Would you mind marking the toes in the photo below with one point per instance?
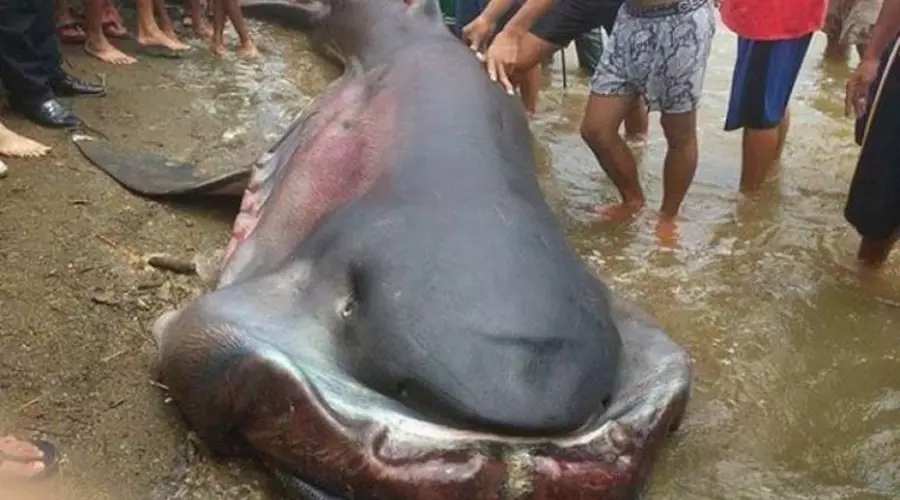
(19, 449)
(21, 469)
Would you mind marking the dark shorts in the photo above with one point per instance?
(565, 22)
(873, 204)
(764, 77)
(570, 18)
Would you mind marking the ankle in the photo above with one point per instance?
(633, 200)
(669, 213)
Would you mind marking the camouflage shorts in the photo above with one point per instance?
(660, 57)
(851, 21)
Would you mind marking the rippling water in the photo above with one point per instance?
(797, 393)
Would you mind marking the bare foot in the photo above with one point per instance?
(107, 53)
(217, 49)
(249, 50)
(667, 232)
(202, 30)
(21, 459)
(13, 144)
(160, 39)
(619, 212)
(170, 32)
(3, 169)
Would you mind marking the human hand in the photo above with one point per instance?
(856, 99)
(502, 57)
(478, 32)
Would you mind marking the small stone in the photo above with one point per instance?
(164, 292)
(3, 169)
(34, 411)
(105, 298)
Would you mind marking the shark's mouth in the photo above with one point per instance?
(324, 432)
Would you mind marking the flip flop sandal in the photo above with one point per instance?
(50, 459)
(71, 32)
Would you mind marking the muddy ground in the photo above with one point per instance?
(77, 295)
(757, 292)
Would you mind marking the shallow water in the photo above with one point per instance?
(796, 393)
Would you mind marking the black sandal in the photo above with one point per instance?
(49, 457)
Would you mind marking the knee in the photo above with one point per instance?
(597, 133)
(682, 142)
(680, 131)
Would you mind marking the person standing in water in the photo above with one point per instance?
(773, 38)
(657, 52)
(873, 96)
(563, 22)
(847, 23)
(225, 10)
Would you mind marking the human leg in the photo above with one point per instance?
(199, 23)
(859, 23)
(165, 22)
(874, 253)
(22, 68)
(835, 48)
(68, 28)
(31, 65)
(675, 87)
(617, 83)
(759, 103)
(680, 163)
(97, 44)
(217, 42)
(603, 116)
(150, 33)
(873, 201)
(248, 47)
(42, 35)
(113, 24)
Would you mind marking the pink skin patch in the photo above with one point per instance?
(345, 148)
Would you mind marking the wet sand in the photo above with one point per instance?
(77, 296)
(795, 395)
